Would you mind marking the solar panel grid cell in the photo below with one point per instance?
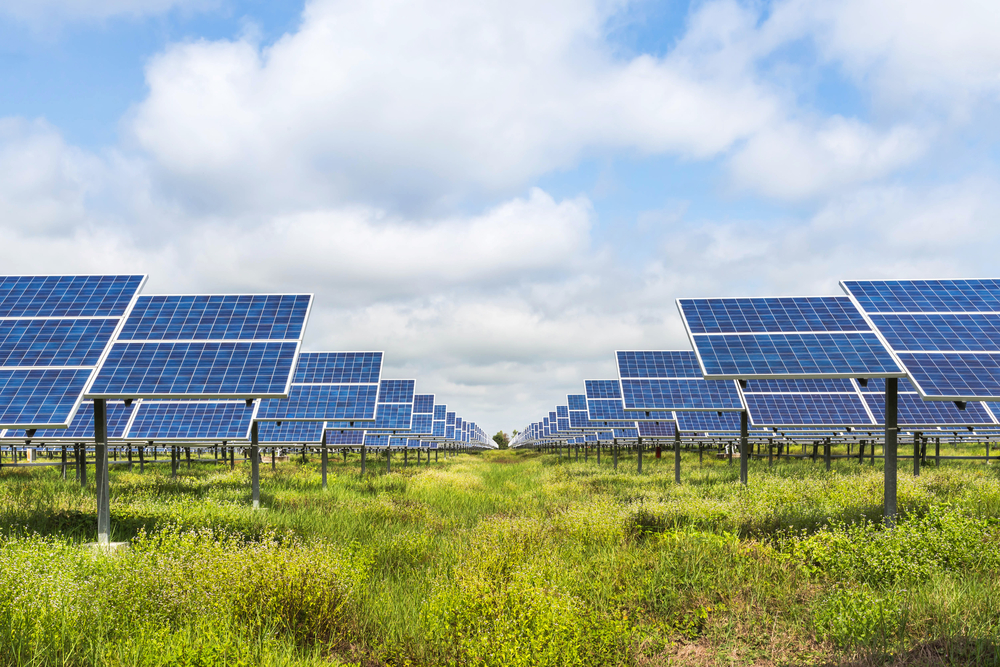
(680, 395)
(913, 411)
(806, 409)
(773, 315)
(922, 296)
(577, 401)
(955, 376)
(309, 433)
(191, 420)
(341, 437)
(40, 397)
(82, 426)
(601, 409)
(803, 385)
(58, 342)
(67, 296)
(217, 317)
(422, 424)
(854, 354)
(562, 412)
(393, 415)
(658, 364)
(396, 391)
(322, 402)
(603, 389)
(338, 367)
(440, 412)
(657, 429)
(423, 404)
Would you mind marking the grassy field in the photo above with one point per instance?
(505, 558)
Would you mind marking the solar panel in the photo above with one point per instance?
(807, 409)
(338, 368)
(671, 380)
(191, 420)
(784, 337)
(290, 433)
(82, 426)
(205, 346)
(54, 331)
(946, 333)
(344, 438)
(576, 402)
(657, 429)
(708, 421)
(348, 402)
(422, 424)
(423, 404)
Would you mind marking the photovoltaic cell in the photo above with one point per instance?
(962, 376)
(395, 416)
(807, 385)
(217, 317)
(925, 296)
(191, 420)
(680, 395)
(562, 412)
(54, 342)
(293, 433)
(806, 410)
(579, 419)
(658, 364)
(37, 398)
(602, 409)
(747, 356)
(772, 315)
(440, 412)
(82, 426)
(439, 428)
(338, 368)
(67, 296)
(396, 391)
(196, 369)
(422, 424)
(351, 402)
(657, 429)
(577, 401)
(913, 411)
(708, 421)
(602, 389)
(423, 404)
(345, 438)
(450, 418)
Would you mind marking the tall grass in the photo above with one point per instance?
(504, 558)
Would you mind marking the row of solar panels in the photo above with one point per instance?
(192, 368)
(810, 362)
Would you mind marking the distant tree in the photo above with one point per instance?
(501, 439)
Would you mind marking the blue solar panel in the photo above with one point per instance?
(439, 428)
(562, 411)
(376, 440)
(396, 391)
(440, 412)
(423, 404)
(338, 368)
(603, 389)
(745, 356)
(393, 415)
(680, 395)
(657, 429)
(562, 423)
(804, 385)
(422, 424)
(601, 409)
(450, 418)
(925, 296)
(344, 438)
(955, 376)
(449, 432)
(191, 420)
(579, 419)
(708, 421)
(940, 333)
(62, 342)
(772, 315)
(651, 415)
(67, 296)
(319, 402)
(82, 426)
(196, 370)
(577, 401)
(307, 433)
(912, 411)
(658, 364)
(806, 410)
(877, 386)
(217, 317)
(35, 398)
(626, 433)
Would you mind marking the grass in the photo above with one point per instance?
(504, 558)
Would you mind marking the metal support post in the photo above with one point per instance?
(614, 449)
(388, 459)
(916, 454)
(770, 452)
(101, 471)
(324, 459)
(889, 449)
(364, 454)
(744, 448)
(188, 454)
(64, 462)
(937, 452)
(255, 465)
(677, 456)
(639, 451)
(129, 450)
(142, 459)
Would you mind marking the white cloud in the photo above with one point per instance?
(427, 101)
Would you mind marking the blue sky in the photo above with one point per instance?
(500, 194)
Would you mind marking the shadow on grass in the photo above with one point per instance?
(950, 652)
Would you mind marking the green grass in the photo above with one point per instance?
(504, 558)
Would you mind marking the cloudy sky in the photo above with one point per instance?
(500, 194)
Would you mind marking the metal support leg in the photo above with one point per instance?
(142, 460)
(891, 431)
(101, 474)
(770, 452)
(64, 462)
(826, 454)
(388, 459)
(916, 455)
(744, 448)
(937, 452)
(677, 457)
(129, 450)
(324, 460)
(255, 465)
(614, 448)
(639, 451)
(364, 453)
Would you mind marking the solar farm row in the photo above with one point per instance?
(889, 358)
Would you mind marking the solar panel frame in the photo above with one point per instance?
(167, 430)
(100, 385)
(780, 348)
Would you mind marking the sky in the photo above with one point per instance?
(500, 194)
